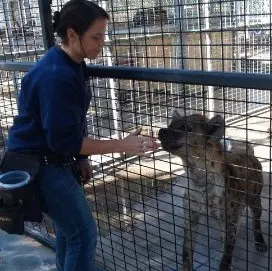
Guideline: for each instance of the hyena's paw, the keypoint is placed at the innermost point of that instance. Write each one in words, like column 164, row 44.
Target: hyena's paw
column 260, row 243
column 187, row 262
column 224, row 267
column 262, row 247
column 186, row 267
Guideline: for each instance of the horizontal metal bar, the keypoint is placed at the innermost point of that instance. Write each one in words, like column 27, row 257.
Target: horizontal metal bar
column 16, row 66
column 222, row 79
column 211, row 78
column 21, row 54
column 166, row 29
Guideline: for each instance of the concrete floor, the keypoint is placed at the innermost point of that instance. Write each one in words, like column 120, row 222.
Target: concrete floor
column 156, row 238
column 24, row 254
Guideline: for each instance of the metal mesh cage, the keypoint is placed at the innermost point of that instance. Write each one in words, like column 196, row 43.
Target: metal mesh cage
column 139, row 202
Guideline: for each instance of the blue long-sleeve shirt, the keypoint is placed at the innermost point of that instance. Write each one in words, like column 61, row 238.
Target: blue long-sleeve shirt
column 52, row 106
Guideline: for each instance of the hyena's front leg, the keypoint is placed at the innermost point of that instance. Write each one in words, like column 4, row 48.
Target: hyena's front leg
column 190, row 230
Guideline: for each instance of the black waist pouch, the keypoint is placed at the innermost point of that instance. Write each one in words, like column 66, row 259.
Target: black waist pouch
column 20, row 204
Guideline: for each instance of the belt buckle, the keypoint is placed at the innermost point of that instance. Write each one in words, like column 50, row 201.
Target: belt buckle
column 45, row 160
column 71, row 161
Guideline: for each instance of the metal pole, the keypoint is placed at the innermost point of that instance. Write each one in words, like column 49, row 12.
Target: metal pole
column 208, row 57
column 7, row 12
column 46, row 23
column 8, row 26
column 180, row 39
column 114, row 100
column 27, row 11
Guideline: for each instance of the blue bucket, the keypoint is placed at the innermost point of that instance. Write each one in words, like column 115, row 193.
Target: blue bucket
column 14, row 179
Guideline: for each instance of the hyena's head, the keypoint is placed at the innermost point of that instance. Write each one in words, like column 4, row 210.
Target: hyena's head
column 192, row 135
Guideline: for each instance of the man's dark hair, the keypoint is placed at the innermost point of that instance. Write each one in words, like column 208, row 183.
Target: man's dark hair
column 78, row 15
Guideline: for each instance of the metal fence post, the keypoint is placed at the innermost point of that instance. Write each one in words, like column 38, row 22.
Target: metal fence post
column 46, row 23
column 112, row 87
column 208, row 57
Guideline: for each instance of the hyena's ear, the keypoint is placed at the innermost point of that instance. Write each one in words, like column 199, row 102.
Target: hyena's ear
column 216, row 128
column 176, row 114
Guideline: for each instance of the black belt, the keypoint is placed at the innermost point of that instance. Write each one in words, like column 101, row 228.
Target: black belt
column 57, row 160
column 70, row 163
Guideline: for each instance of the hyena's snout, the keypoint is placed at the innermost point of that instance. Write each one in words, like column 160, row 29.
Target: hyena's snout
column 165, row 138
column 170, row 139
column 162, row 135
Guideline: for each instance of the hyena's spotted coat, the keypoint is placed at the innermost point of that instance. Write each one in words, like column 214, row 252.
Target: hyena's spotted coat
column 225, row 181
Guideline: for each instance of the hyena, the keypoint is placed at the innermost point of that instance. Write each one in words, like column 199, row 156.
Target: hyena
column 220, row 182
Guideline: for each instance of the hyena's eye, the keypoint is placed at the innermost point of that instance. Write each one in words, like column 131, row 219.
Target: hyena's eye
column 181, row 127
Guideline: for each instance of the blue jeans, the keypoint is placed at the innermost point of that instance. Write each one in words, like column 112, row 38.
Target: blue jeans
column 64, row 201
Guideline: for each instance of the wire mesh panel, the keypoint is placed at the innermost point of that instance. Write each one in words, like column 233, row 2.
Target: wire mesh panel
column 140, row 204
column 200, row 35
column 8, row 99
column 21, row 30
column 189, row 34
